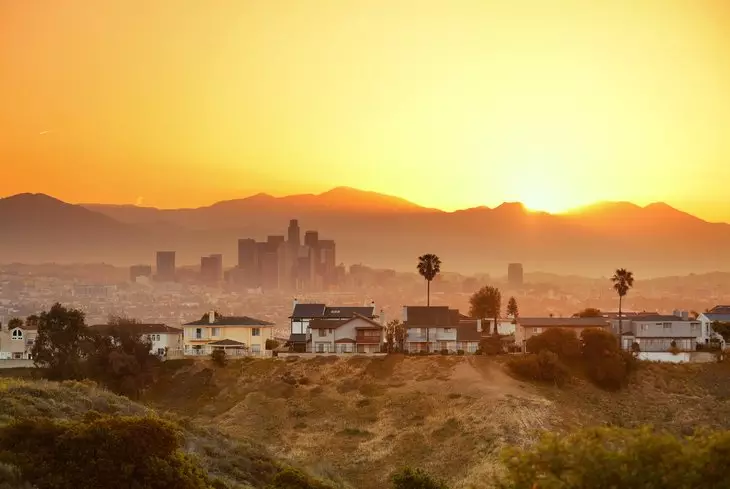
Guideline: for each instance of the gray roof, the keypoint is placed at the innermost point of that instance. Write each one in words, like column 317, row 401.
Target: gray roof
column 720, row 310
column 563, row 322
column 230, row 321
column 713, row 316
column 348, row 312
column 659, row 317
column 308, row 311
column 434, row 316
column 467, row 331
column 226, row 343
column 298, row 338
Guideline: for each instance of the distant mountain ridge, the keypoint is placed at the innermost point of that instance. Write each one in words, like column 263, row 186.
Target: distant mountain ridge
column 374, row 229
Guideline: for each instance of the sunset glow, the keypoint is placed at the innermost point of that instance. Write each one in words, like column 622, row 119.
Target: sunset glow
column 447, row 104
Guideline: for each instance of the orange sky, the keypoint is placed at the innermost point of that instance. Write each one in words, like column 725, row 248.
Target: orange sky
column 448, row 104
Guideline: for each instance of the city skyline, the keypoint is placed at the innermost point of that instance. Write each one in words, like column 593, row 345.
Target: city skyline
column 556, row 107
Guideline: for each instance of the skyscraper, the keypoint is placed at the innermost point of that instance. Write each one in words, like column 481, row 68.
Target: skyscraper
column 515, row 275
column 211, row 269
column 139, row 271
column 294, row 239
column 247, row 254
column 165, row 266
column 328, row 260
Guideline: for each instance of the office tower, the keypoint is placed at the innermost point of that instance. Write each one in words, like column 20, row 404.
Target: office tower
column 328, row 261
column 275, row 241
column 294, row 240
column 211, row 269
column 246, row 254
column 311, row 241
column 269, row 262
column 166, row 266
column 139, row 271
column 515, row 274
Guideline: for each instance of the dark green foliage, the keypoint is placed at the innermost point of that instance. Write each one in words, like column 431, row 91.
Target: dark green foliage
column 219, row 357
column 408, row 478
column 291, row 478
column 604, row 363
column 101, row 451
column 608, row 458
column 635, row 347
column 62, row 342
column 122, row 361
column 444, row 351
column 395, row 336
column 459, row 352
column 722, row 328
column 14, row 323
column 486, row 303
column 561, row 341
column 491, row 345
column 513, row 310
column 271, row 344
column 542, row 367
column 589, row 312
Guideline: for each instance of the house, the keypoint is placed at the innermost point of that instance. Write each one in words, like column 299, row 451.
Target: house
column 303, row 314
column 359, row 334
column 164, row 338
column 236, row 335
column 657, row 332
column 719, row 314
column 430, row 329
column 17, row 343
column 469, row 334
column 526, row 328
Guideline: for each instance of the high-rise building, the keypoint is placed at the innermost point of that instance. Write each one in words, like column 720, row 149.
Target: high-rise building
column 328, row 261
column 269, row 262
column 165, row 266
column 139, row 271
column 294, row 239
column 247, row 254
column 211, row 268
column 515, row 275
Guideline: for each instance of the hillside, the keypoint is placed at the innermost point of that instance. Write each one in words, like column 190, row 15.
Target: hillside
column 242, row 463
column 360, row 418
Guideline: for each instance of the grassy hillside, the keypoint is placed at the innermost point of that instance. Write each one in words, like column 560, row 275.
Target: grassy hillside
column 360, row 418
column 241, row 463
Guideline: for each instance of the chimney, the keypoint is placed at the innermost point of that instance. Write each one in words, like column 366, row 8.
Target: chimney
column 211, row 317
column 479, row 325
column 296, row 301
column 677, row 313
column 382, row 317
column 372, row 304
column 685, row 315
column 405, row 313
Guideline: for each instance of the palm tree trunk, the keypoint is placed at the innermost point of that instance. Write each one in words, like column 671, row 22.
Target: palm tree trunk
column 620, row 323
column 428, row 304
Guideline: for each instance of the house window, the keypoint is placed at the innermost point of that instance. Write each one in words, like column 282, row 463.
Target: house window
column 329, row 331
column 537, row 330
column 255, row 348
column 215, row 332
column 645, row 327
column 447, row 330
column 256, row 332
column 17, row 334
column 667, row 325
column 322, row 333
column 198, row 333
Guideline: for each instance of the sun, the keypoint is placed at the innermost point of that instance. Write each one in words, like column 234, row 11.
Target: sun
column 545, row 202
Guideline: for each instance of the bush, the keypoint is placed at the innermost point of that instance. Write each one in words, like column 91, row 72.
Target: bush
column 604, row 363
column 291, row 478
column 444, row 351
column 561, row 341
column 459, row 352
column 100, row 451
column 219, row 357
column 408, row 478
column 478, row 351
column 600, row 458
column 491, row 345
column 543, row 367
column 635, row 347
column 271, row 344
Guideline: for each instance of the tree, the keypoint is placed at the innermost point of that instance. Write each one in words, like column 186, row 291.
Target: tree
column 512, row 309
column 219, row 357
column 15, row 323
column 723, row 329
column 271, row 344
column 622, row 280
column 429, row 266
column 395, row 336
column 604, row 363
column 122, row 359
column 602, row 458
column 561, row 341
column 408, row 478
column 112, row 452
column 588, row 312
column 486, row 303
column 62, row 342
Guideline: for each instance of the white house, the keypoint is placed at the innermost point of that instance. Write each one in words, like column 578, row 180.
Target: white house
column 162, row 336
column 16, row 343
column 359, row 334
column 716, row 314
column 657, row 333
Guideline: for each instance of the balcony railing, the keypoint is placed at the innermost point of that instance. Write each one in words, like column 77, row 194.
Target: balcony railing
column 367, row 339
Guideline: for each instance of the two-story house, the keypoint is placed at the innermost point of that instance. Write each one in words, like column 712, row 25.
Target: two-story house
column 430, row 329
column 657, row 333
column 236, row 335
column 358, row 334
column 303, row 314
column 720, row 314
column 163, row 338
column 16, row 341
column 526, row 328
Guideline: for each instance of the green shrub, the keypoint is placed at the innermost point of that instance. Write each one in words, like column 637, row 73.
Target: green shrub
column 459, row 352
column 561, row 341
column 100, row 451
column 408, row 478
column 602, row 458
column 491, row 345
column 604, row 363
column 291, row 478
column 543, row 367
column 271, row 344
column 444, row 351
column 219, row 357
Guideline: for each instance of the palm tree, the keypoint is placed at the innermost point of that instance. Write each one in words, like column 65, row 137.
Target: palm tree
column 429, row 266
column 622, row 280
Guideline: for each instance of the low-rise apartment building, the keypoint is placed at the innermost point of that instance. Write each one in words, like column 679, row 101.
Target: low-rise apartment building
column 657, row 333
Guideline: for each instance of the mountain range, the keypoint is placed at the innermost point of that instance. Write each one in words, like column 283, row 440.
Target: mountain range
column 374, row 229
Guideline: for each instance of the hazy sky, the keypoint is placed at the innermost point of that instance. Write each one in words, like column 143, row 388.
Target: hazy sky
column 449, row 104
